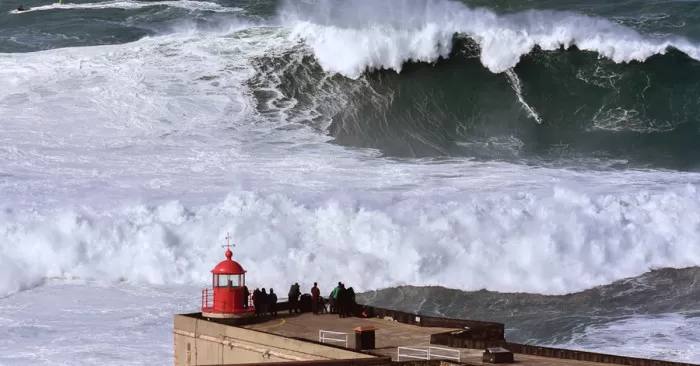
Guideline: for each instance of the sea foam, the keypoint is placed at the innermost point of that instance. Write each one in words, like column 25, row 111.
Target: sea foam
column 353, row 36
column 559, row 241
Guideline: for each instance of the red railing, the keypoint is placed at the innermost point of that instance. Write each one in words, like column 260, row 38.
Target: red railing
column 207, row 299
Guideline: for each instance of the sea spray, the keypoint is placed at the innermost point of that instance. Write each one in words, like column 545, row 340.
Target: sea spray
column 353, row 36
column 559, row 241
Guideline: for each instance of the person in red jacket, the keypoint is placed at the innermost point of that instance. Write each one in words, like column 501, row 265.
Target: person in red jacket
column 315, row 294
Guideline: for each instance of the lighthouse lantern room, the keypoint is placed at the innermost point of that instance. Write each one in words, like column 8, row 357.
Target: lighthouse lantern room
column 227, row 297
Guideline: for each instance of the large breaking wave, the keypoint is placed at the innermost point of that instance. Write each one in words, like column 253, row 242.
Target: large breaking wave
column 349, row 37
column 557, row 241
column 537, row 84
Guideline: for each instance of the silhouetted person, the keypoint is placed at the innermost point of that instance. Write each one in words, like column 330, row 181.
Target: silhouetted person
column 272, row 301
column 264, row 302
column 293, row 295
column 351, row 302
column 315, row 295
column 256, row 302
column 341, row 301
column 246, row 295
column 298, row 290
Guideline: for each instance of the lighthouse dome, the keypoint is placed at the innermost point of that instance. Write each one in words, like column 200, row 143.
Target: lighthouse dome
column 228, row 266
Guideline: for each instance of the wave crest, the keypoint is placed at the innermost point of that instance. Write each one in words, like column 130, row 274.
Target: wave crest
column 351, row 37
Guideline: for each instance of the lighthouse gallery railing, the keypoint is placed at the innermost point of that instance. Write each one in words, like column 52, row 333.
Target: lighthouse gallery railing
column 207, row 299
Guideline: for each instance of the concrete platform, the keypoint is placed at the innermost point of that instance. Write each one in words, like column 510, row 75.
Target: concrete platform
column 389, row 336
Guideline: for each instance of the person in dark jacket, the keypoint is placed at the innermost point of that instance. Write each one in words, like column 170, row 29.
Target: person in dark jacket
column 272, row 302
column 264, row 303
column 294, row 293
column 351, row 303
column 246, row 295
column 256, row 302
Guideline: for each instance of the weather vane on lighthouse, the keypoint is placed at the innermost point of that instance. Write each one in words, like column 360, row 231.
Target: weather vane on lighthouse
column 228, row 244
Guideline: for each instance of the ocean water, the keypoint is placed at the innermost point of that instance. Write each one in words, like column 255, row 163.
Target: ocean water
column 534, row 163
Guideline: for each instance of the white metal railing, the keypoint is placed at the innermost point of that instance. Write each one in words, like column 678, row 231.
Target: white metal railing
column 428, row 353
column 323, row 336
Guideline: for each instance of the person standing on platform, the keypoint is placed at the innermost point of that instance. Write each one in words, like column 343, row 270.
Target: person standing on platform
column 264, row 303
column 315, row 295
column 246, row 295
column 334, row 298
column 272, row 301
column 352, row 302
column 341, row 301
column 294, row 293
column 256, row 302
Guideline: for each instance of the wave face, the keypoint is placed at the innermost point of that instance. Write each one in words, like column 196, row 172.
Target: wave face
column 439, row 78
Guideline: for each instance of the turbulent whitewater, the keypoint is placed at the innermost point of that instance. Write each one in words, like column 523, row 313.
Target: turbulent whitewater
column 534, row 164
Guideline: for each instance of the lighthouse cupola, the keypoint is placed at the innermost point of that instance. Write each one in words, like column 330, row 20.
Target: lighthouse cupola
column 228, row 297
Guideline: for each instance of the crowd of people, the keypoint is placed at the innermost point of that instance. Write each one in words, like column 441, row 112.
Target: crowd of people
column 340, row 301
column 264, row 303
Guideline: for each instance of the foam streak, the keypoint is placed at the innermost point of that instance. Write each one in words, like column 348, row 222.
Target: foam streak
column 515, row 83
column 185, row 4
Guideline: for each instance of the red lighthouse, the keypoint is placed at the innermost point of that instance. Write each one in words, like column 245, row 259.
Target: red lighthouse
column 226, row 298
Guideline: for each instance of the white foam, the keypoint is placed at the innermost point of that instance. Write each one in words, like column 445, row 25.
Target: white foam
column 64, row 111
column 664, row 337
column 354, row 36
column 556, row 241
column 87, row 324
column 184, row 4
